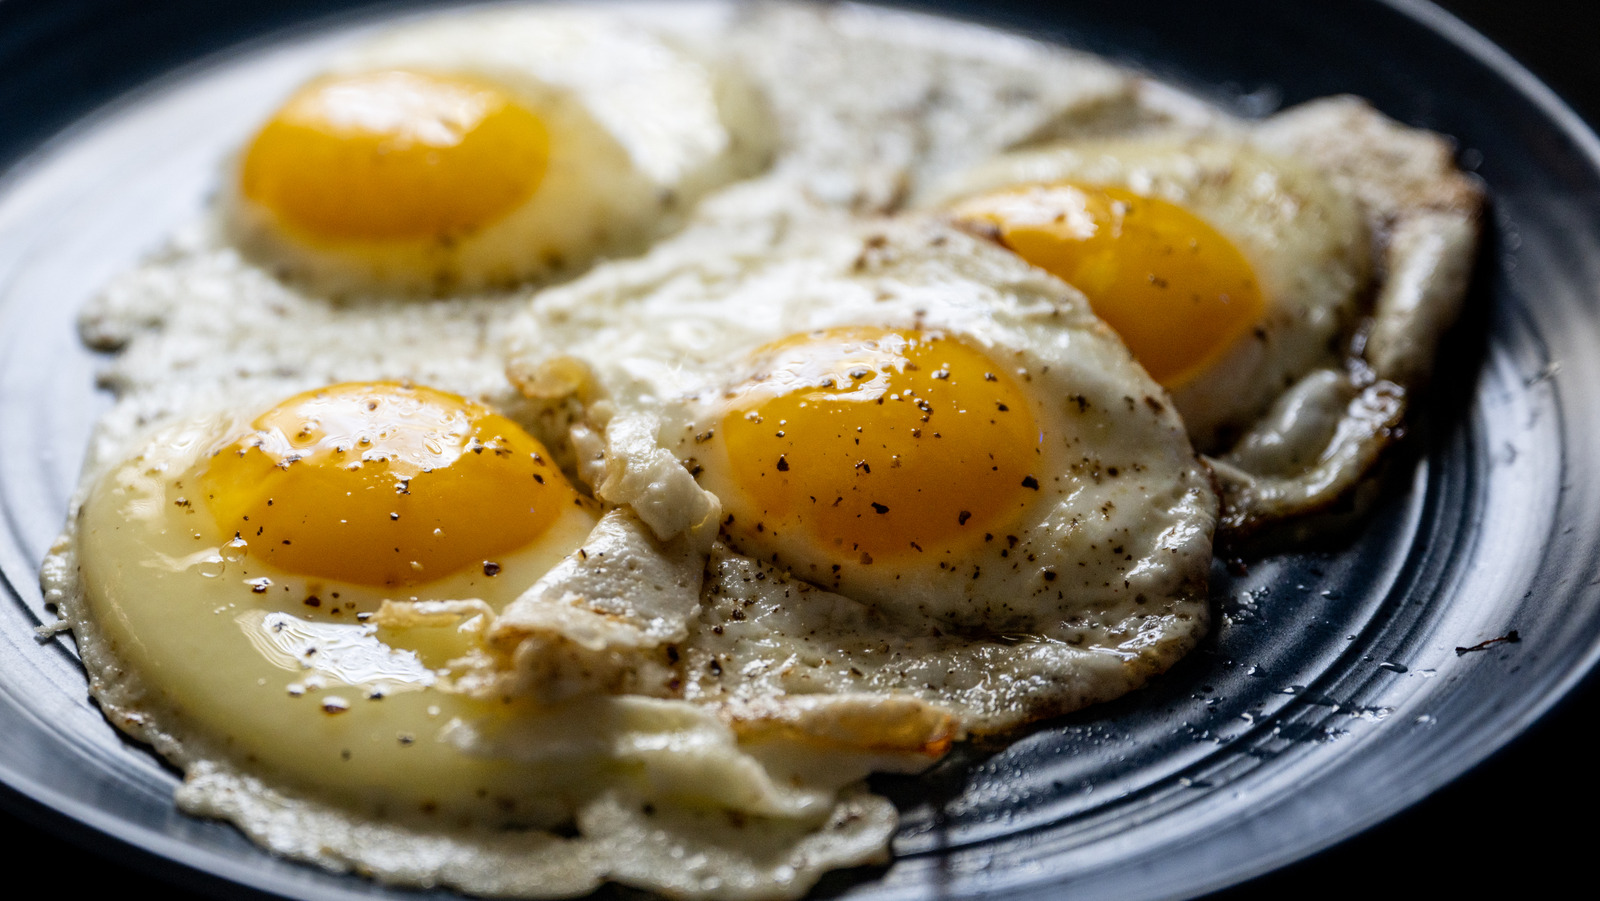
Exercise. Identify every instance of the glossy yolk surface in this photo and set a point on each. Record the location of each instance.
(383, 484)
(1178, 292)
(879, 444)
(394, 156)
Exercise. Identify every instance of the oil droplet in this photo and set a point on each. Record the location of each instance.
(1392, 667)
(211, 566)
(235, 550)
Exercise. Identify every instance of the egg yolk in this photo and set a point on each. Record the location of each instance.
(384, 484)
(1177, 291)
(395, 156)
(879, 443)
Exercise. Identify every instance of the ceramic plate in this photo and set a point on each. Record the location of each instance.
(1341, 685)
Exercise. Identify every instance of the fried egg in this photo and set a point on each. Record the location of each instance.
(1240, 268)
(239, 565)
(492, 149)
(1229, 272)
(920, 452)
(285, 605)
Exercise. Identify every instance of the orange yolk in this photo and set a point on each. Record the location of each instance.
(879, 443)
(1177, 291)
(395, 156)
(384, 484)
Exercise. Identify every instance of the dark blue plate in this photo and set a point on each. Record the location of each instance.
(1332, 696)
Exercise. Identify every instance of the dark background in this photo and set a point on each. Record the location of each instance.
(1515, 823)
